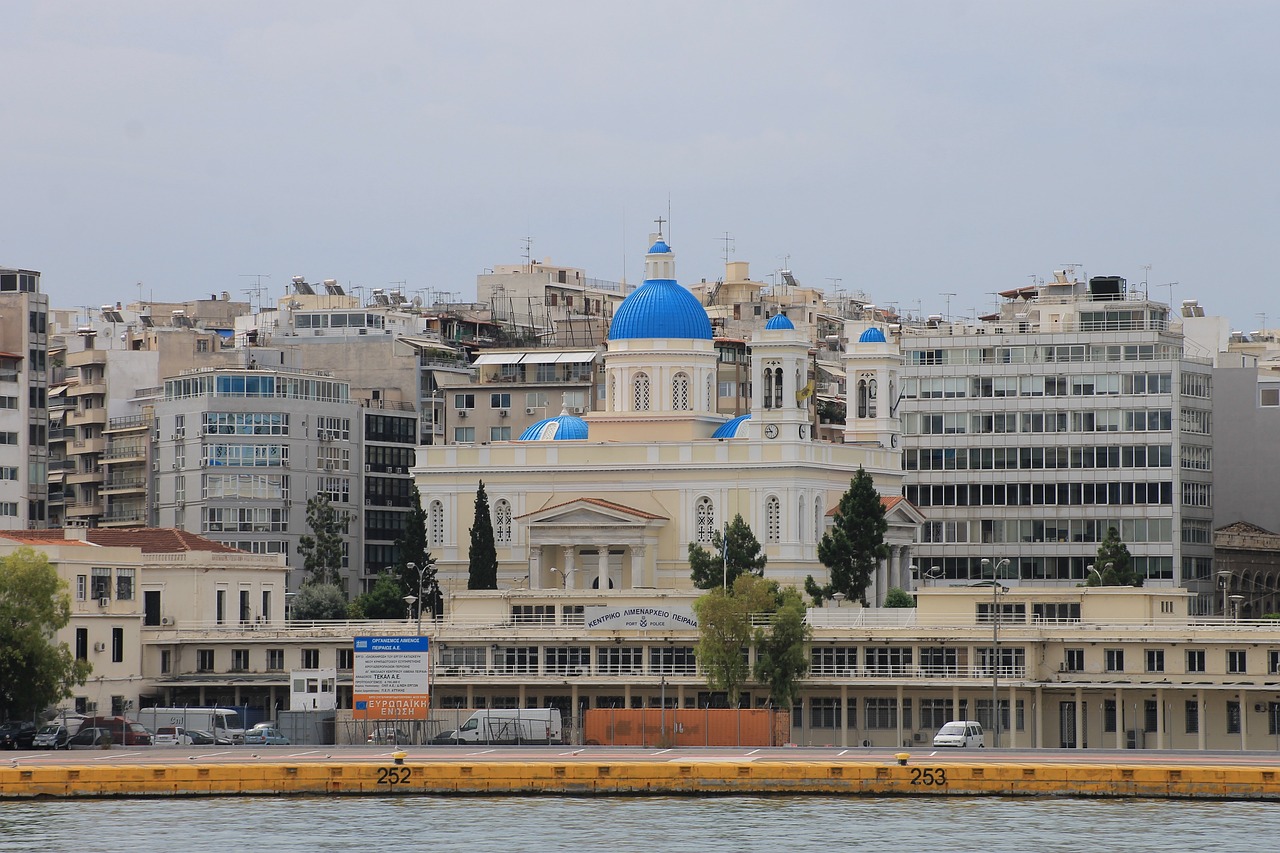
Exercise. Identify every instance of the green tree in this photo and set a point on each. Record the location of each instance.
(482, 556)
(744, 554)
(854, 545)
(725, 629)
(411, 547)
(896, 596)
(321, 549)
(35, 670)
(1114, 564)
(781, 660)
(384, 600)
(319, 601)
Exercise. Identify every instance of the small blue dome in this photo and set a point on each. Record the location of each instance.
(871, 336)
(659, 248)
(660, 308)
(559, 428)
(730, 429)
(779, 321)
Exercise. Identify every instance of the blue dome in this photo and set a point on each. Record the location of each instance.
(660, 308)
(871, 336)
(779, 321)
(659, 248)
(559, 428)
(730, 429)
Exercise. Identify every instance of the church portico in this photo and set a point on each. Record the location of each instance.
(591, 544)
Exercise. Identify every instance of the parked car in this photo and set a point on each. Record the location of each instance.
(52, 736)
(265, 736)
(124, 731)
(199, 737)
(388, 733)
(90, 737)
(17, 734)
(172, 736)
(960, 733)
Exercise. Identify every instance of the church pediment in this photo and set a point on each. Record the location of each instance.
(590, 512)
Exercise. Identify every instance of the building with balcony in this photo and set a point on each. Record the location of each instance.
(24, 388)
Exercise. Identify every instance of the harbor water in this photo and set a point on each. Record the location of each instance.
(649, 824)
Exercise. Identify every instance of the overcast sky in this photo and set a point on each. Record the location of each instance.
(907, 149)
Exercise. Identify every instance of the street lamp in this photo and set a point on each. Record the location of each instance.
(1236, 601)
(839, 597)
(408, 602)
(422, 572)
(1090, 570)
(995, 651)
(1224, 584)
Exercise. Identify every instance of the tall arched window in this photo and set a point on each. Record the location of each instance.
(800, 515)
(862, 398)
(711, 393)
(768, 387)
(772, 519)
(818, 514)
(871, 398)
(799, 403)
(705, 518)
(680, 393)
(435, 521)
(614, 403)
(777, 388)
(502, 521)
(640, 393)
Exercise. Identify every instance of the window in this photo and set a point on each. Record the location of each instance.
(1233, 718)
(166, 661)
(1115, 660)
(1073, 660)
(464, 435)
(1273, 718)
(1150, 715)
(117, 645)
(346, 659)
(535, 614)
(882, 713)
(101, 583)
(1273, 662)
(824, 712)
(934, 713)
(705, 520)
(464, 401)
(1191, 716)
(310, 659)
(569, 660)
(1108, 715)
(1195, 660)
(500, 433)
(1155, 660)
(680, 400)
(275, 659)
(640, 393)
(500, 401)
(82, 587)
(435, 518)
(772, 519)
(502, 521)
(204, 660)
(239, 660)
(1236, 662)
(82, 644)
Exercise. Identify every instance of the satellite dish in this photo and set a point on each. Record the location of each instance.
(417, 302)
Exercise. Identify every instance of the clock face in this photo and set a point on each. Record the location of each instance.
(802, 430)
(893, 440)
(771, 431)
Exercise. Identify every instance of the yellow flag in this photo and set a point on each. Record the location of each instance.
(805, 393)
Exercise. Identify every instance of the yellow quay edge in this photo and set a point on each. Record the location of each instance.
(628, 778)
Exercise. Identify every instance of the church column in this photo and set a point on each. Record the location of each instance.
(882, 577)
(535, 567)
(570, 555)
(602, 563)
(895, 566)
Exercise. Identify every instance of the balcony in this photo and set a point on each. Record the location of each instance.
(87, 356)
(130, 517)
(81, 446)
(86, 416)
(123, 452)
(131, 422)
(93, 475)
(82, 509)
(125, 484)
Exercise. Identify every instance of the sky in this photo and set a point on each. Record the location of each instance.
(925, 154)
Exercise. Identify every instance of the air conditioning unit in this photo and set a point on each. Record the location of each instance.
(529, 410)
(502, 413)
(99, 647)
(166, 620)
(462, 413)
(367, 468)
(577, 410)
(176, 466)
(323, 435)
(104, 602)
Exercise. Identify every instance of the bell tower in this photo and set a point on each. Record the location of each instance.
(780, 390)
(873, 368)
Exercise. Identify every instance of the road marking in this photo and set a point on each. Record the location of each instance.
(842, 752)
(308, 752)
(117, 756)
(753, 752)
(482, 752)
(213, 754)
(662, 752)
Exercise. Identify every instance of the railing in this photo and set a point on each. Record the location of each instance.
(124, 452)
(128, 422)
(907, 671)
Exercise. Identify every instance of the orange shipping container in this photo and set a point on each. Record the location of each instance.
(686, 727)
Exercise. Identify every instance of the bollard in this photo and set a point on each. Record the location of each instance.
(902, 757)
(398, 756)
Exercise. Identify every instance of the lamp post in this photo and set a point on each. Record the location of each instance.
(1090, 570)
(1224, 584)
(995, 650)
(422, 572)
(839, 597)
(1236, 601)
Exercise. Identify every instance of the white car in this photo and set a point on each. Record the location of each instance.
(960, 733)
(172, 736)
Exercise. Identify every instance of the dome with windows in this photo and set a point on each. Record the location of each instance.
(736, 428)
(872, 336)
(779, 321)
(563, 427)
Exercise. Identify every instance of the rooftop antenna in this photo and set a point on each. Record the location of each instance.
(835, 286)
(528, 253)
(1262, 317)
(1146, 269)
(948, 295)
(729, 245)
(1169, 285)
(255, 291)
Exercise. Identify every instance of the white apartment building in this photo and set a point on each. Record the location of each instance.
(1072, 409)
(24, 411)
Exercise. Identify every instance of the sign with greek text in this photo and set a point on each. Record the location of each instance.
(391, 678)
(639, 618)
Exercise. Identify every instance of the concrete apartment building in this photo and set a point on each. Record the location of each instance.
(1072, 409)
(24, 388)
(539, 301)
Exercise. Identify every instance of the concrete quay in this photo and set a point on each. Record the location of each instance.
(670, 775)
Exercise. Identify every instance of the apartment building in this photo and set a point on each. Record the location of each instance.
(24, 388)
(1071, 410)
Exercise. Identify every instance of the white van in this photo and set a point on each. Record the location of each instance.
(507, 726)
(960, 733)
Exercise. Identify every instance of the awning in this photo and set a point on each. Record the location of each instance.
(576, 357)
(499, 358)
(427, 344)
(834, 371)
(540, 357)
(227, 334)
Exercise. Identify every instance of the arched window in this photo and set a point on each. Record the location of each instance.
(772, 519)
(871, 398)
(502, 521)
(435, 521)
(680, 393)
(613, 394)
(640, 393)
(777, 388)
(862, 398)
(818, 513)
(705, 519)
(800, 515)
(768, 387)
(711, 393)
(799, 403)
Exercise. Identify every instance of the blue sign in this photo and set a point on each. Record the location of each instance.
(392, 644)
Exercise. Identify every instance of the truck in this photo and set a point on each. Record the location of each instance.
(507, 726)
(219, 722)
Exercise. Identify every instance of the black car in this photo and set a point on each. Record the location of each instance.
(17, 735)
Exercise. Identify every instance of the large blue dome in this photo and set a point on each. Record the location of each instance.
(660, 308)
(559, 428)
(779, 321)
(736, 428)
(872, 336)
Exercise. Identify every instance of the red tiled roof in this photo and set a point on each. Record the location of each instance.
(887, 502)
(152, 540)
(38, 537)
